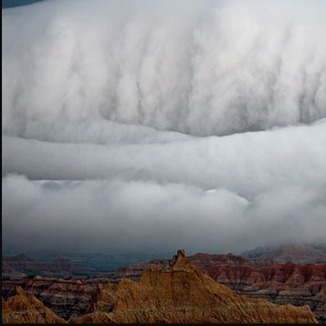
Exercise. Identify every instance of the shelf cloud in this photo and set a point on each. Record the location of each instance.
(153, 125)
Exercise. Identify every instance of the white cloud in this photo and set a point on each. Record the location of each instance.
(216, 193)
(103, 103)
(199, 67)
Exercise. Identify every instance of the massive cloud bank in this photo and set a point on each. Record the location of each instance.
(198, 67)
(207, 194)
(104, 103)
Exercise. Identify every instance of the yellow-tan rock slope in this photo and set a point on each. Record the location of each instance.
(25, 308)
(180, 293)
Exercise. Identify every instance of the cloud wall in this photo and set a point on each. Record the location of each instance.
(197, 67)
(206, 194)
(153, 125)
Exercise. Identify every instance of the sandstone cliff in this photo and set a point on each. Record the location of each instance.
(297, 284)
(66, 298)
(24, 308)
(181, 293)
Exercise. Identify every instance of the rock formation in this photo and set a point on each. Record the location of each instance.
(10, 273)
(24, 308)
(66, 298)
(24, 264)
(181, 293)
(297, 284)
(299, 254)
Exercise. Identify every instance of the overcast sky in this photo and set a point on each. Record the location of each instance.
(155, 125)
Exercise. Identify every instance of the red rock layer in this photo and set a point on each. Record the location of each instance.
(181, 293)
(280, 283)
(24, 308)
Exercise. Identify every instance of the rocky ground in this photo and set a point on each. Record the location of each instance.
(297, 284)
(280, 283)
(178, 292)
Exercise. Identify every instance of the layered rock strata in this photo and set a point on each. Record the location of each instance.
(297, 284)
(25, 308)
(181, 293)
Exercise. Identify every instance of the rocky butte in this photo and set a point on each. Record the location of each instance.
(176, 293)
(181, 293)
(25, 308)
(280, 283)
